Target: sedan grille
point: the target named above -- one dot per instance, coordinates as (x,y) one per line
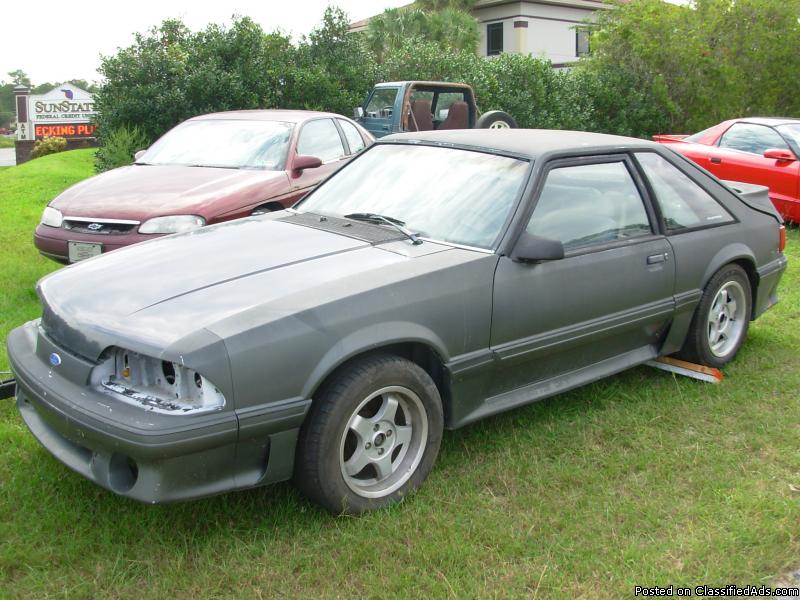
(99,226)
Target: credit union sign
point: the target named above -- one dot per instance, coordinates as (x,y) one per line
(65,111)
(63,104)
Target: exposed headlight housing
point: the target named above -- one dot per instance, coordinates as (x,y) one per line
(157,385)
(52,217)
(172,224)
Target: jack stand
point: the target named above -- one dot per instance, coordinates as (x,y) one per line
(687,369)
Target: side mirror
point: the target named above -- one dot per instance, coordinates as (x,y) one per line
(358,113)
(303,162)
(782,155)
(139,154)
(532,248)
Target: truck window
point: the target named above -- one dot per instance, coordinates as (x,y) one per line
(381,103)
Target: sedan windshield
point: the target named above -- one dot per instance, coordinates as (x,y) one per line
(457,196)
(224,143)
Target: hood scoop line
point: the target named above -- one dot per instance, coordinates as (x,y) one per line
(250,274)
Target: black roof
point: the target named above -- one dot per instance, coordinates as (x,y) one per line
(526,142)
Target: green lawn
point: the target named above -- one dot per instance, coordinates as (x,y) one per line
(641,479)
(6,142)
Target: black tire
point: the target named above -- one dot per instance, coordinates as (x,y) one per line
(697,347)
(329,441)
(496,119)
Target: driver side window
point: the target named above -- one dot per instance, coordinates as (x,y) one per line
(755,139)
(320,138)
(586,205)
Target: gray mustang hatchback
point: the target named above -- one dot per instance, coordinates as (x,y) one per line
(436,279)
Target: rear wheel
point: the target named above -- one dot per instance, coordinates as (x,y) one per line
(372,436)
(720,323)
(496,119)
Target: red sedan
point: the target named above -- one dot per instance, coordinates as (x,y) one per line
(758,150)
(208,169)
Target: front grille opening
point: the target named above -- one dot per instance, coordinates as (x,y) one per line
(98,227)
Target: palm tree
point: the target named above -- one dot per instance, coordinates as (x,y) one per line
(446,22)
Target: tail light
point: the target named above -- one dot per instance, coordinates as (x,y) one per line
(781,238)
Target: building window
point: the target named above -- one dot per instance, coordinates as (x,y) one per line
(494,39)
(581,42)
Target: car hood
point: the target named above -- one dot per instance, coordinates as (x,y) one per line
(138,192)
(155,293)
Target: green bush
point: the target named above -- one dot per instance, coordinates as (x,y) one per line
(48,145)
(118,147)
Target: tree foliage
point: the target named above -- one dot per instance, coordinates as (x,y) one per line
(655,67)
(447,23)
(662,67)
(170,74)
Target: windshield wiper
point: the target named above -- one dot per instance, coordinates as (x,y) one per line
(391,221)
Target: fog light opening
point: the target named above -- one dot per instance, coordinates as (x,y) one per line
(123,473)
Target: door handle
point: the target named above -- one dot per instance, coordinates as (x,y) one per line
(654,259)
(716,160)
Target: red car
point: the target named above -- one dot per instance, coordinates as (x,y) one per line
(206,170)
(758,150)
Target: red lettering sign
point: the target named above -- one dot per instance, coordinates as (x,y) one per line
(66,130)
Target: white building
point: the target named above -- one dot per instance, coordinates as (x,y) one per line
(544,28)
(548,29)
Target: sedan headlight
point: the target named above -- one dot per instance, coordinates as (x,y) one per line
(158,385)
(172,224)
(52,217)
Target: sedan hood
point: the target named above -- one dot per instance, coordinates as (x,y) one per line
(155,293)
(139,192)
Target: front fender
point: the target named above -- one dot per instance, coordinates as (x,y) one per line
(368,339)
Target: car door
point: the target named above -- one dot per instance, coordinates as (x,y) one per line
(323,139)
(739,156)
(689,214)
(607,301)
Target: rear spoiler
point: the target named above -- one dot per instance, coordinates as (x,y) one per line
(754,196)
(663,137)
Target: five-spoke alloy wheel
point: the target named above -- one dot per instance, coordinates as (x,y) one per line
(372,435)
(720,323)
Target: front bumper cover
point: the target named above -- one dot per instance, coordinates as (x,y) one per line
(143,455)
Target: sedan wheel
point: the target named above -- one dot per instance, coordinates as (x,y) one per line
(371,436)
(720,323)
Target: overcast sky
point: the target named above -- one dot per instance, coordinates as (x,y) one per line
(55,40)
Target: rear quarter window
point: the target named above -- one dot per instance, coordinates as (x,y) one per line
(684,204)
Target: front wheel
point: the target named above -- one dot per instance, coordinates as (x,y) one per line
(720,323)
(496,119)
(372,436)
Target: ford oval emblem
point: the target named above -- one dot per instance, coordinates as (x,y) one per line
(55,359)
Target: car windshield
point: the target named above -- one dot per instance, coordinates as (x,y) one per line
(224,143)
(792,132)
(457,196)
